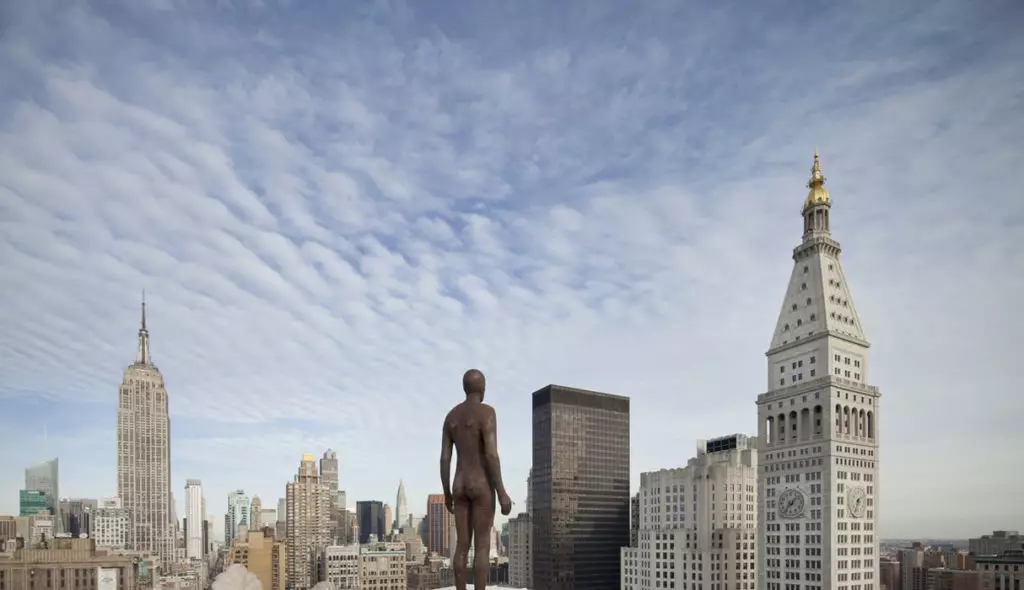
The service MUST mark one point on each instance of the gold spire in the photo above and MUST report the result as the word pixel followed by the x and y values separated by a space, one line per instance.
pixel 818 194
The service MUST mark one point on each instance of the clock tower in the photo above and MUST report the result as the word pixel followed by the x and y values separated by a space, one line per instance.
pixel 818 426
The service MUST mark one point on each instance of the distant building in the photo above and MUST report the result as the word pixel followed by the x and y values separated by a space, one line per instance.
pixel 195 519
pixel 426 575
pixel 998 543
pixel 912 568
pixel 371 520
pixel 941 578
pixel 308 524
pixel 401 508
pixel 45 478
pixel 341 566
pixel 634 520
pixel 520 551
pixel 256 514
pixel 329 479
pixel 237 515
pixel 580 488
pixel 439 523
pixel 1002 572
pixel 889 574
pixel 704 513
pixel 76 516
pixel 382 566
pixel 262 556
pixel 110 524
pixel 32 502
pixel 144 454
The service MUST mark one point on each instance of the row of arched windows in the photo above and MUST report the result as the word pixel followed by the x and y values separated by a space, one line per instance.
pixel 806 424
pixel 855 422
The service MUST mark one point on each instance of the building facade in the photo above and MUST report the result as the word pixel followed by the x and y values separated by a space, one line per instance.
pixel 370 517
pixel 697 527
pixel 144 453
pixel 1002 572
pixel 401 508
pixel 256 514
pixel 634 520
pixel 45 478
pixel 76 516
pixel 195 519
pixel 329 478
pixel 110 524
pixel 382 567
pixel 308 503
pixel 520 551
pixel 68 564
pixel 580 488
pixel 262 556
pixel 997 543
pixel 237 515
pixel 439 522
pixel 818 426
pixel 341 566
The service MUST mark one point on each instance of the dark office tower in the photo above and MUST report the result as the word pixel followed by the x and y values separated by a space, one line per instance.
pixel 370 515
pixel 580 488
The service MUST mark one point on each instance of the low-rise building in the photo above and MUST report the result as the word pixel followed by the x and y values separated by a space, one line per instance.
pixel 382 566
pixel 341 566
pixel 68 564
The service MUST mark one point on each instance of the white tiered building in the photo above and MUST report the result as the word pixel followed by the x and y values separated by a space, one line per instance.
pixel 144 454
pixel 818 427
pixel 698 524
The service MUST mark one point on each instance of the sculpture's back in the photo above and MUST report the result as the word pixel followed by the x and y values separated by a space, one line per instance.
pixel 471 428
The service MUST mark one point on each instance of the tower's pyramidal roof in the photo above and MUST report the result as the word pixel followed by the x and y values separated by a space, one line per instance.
pixel 818 298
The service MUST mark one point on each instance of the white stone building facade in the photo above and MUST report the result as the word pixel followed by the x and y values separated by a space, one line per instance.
pixel 698 524
pixel 195 519
pixel 818 426
pixel 382 566
pixel 341 566
pixel 520 551
pixel 110 523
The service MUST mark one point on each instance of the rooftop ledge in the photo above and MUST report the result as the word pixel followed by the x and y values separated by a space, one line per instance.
pixel 818 383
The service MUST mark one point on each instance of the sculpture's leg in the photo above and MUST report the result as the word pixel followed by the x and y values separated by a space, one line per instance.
pixel 463 537
pixel 483 522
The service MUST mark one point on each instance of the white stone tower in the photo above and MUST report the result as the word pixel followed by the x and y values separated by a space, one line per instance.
pixel 144 454
pixel 818 427
pixel 195 519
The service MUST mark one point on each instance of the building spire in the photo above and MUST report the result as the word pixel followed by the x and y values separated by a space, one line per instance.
pixel 142 358
pixel 817 194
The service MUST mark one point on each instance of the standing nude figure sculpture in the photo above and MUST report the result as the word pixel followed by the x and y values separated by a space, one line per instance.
pixel 472 428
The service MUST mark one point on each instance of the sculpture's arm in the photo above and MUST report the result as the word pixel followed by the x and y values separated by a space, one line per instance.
pixel 491 453
pixel 446 460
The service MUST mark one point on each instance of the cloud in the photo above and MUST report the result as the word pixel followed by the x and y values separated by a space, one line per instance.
pixel 236 577
pixel 335 211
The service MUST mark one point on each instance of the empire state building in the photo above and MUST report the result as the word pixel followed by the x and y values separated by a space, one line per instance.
pixel 144 453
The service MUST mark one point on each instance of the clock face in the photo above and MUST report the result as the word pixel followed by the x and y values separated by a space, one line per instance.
pixel 791 503
pixel 857 501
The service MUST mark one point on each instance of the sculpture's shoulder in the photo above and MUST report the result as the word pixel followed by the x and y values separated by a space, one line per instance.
pixel 486 411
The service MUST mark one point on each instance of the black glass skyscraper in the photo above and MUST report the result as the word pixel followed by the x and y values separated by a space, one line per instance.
pixel 580 488
pixel 370 516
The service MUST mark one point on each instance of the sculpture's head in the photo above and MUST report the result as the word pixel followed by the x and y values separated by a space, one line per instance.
pixel 474 382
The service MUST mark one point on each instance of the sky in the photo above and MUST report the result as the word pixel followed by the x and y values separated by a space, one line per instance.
pixel 335 209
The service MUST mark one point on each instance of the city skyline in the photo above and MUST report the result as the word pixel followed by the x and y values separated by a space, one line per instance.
pixel 339 212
